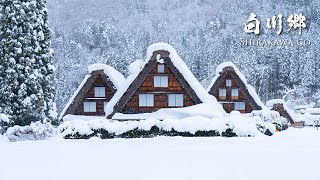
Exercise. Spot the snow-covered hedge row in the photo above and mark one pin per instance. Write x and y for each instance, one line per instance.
(234, 125)
(273, 117)
(35, 131)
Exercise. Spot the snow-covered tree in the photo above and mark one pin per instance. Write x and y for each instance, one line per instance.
(26, 68)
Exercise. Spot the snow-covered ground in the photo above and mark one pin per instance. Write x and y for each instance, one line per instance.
(293, 154)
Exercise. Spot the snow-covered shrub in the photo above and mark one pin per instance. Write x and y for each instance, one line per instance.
(35, 131)
(4, 123)
(190, 127)
(273, 117)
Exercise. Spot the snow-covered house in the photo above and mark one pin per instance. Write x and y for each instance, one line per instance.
(163, 80)
(232, 90)
(280, 106)
(94, 92)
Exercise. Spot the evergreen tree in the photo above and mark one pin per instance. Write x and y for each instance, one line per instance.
(26, 69)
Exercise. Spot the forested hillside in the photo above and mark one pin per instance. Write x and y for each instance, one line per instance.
(204, 33)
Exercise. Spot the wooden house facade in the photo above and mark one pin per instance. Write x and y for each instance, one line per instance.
(159, 84)
(95, 91)
(232, 91)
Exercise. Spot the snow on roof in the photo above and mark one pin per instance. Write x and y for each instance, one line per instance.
(177, 62)
(115, 76)
(204, 109)
(271, 102)
(251, 90)
(313, 111)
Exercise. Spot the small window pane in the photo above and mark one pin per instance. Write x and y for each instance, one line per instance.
(164, 81)
(222, 92)
(156, 81)
(104, 106)
(234, 92)
(172, 100)
(142, 100)
(239, 106)
(228, 82)
(179, 100)
(99, 91)
(150, 100)
(89, 106)
(160, 68)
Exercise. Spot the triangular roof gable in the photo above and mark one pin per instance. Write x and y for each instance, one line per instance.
(146, 70)
(248, 90)
(110, 76)
(177, 66)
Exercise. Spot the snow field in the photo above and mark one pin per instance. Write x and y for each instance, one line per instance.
(291, 154)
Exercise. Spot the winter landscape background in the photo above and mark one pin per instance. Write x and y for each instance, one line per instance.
(204, 33)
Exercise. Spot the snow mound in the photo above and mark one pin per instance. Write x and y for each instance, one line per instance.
(207, 110)
(203, 95)
(4, 118)
(35, 131)
(251, 90)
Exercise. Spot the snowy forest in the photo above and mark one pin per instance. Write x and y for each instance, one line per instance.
(204, 32)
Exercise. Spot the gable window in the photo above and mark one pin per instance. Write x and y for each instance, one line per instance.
(239, 106)
(105, 106)
(146, 100)
(99, 91)
(222, 93)
(235, 94)
(160, 68)
(228, 83)
(160, 81)
(90, 107)
(175, 100)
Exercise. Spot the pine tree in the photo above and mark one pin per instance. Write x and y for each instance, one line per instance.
(26, 68)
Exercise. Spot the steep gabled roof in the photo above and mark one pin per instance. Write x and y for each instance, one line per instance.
(108, 73)
(141, 69)
(252, 95)
(290, 114)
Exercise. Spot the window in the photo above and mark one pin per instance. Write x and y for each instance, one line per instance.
(89, 106)
(175, 100)
(160, 68)
(104, 106)
(160, 81)
(99, 91)
(228, 83)
(222, 93)
(234, 94)
(146, 100)
(239, 106)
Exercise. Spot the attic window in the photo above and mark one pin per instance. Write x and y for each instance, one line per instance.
(235, 94)
(160, 68)
(222, 93)
(175, 100)
(228, 83)
(90, 107)
(160, 81)
(239, 106)
(99, 91)
(146, 100)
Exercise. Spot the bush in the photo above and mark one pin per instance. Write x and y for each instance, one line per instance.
(141, 133)
(35, 131)
(273, 117)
